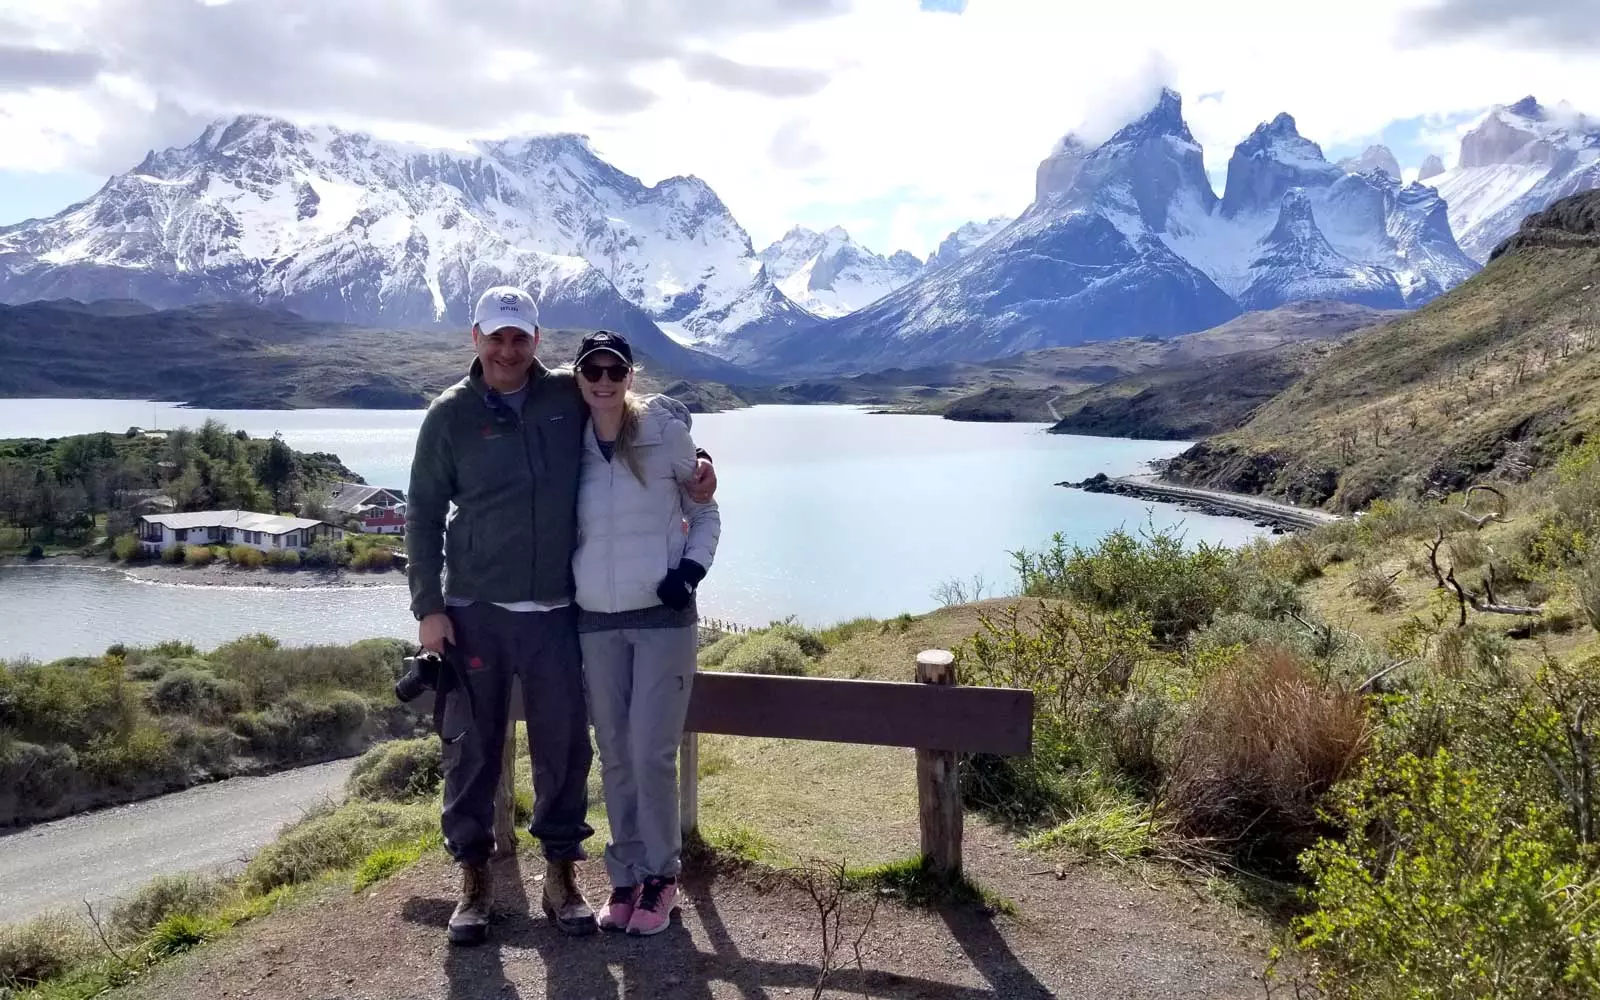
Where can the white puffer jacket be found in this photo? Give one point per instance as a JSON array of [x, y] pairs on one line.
[[630, 534]]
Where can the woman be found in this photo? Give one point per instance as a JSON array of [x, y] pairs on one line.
[[643, 548]]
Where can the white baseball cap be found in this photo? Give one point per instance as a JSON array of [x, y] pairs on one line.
[[504, 306]]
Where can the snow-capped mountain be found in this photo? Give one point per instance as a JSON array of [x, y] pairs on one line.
[[965, 240], [1432, 167], [829, 274], [1374, 158], [1517, 161], [1128, 238], [340, 226]]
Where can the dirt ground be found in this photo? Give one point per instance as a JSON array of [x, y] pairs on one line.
[[1095, 933]]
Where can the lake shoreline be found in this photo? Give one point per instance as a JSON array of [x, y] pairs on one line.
[[220, 576]]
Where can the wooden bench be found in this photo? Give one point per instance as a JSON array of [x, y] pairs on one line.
[[934, 715]]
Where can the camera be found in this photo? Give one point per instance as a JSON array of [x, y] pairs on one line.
[[422, 674]]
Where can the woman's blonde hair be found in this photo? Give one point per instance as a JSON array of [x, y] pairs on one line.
[[628, 435]]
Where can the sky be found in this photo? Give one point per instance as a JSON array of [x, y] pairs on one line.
[[897, 119]]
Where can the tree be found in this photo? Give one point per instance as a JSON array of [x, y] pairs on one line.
[[277, 470]]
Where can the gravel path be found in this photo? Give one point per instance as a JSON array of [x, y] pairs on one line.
[[99, 855], [1091, 934]]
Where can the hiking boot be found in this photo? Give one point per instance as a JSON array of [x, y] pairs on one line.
[[469, 924], [653, 913], [563, 901], [614, 916]]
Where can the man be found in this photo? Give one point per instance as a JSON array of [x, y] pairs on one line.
[[503, 447]]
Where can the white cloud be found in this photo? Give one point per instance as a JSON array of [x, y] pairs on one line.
[[904, 123]]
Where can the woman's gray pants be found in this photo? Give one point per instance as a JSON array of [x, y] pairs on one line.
[[638, 683]]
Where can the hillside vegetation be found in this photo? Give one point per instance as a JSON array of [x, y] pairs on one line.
[[91, 731], [1492, 380]]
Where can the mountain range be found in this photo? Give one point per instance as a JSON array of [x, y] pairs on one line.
[[1126, 237]]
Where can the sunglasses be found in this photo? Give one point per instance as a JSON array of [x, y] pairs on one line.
[[594, 373]]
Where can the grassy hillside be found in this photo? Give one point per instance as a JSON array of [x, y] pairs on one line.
[[235, 356], [1492, 380]]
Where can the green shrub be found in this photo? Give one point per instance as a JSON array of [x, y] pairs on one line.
[[71, 701], [196, 693], [247, 557], [268, 672], [334, 840], [1081, 665], [398, 771], [181, 932], [145, 753], [326, 554], [1444, 888], [385, 861], [375, 560], [41, 775], [136, 915], [36, 552], [809, 642], [714, 655], [767, 654], [1152, 575], [42, 948], [198, 555], [298, 728], [173, 555], [283, 559], [127, 548]]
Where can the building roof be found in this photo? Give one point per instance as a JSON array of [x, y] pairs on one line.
[[244, 520], [349, 498]]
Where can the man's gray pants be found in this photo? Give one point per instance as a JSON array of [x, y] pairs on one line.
[[639, 681], [540, 648]]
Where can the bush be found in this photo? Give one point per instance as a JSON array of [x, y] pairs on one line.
[[714, 655], [1153, 575], [41, 775], [196, 693], [1264, 743], [268, 672], [173, 555], [166, 896], [198, 555], [127, 548], [398, 771], [298, 728], [326, 554], [1376, 587], [809, 642], [180, 933], [36, 552], [1444, 888], [283, 559], [334, 840], [247, 557], [377, 560], [42, 948], [767, 654], [74, 702], [1090, 718]]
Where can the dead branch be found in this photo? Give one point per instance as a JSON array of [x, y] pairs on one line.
[[1433, 558], [1380, 675], [1478, 521], [100, 932], [1488, 607]]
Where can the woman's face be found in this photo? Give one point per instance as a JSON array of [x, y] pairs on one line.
[[605, 380]]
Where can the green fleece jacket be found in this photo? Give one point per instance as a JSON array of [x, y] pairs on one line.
[[513, 480]]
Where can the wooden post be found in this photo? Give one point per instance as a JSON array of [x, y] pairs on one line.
[[938, 784], [505, 800], [689, 784]]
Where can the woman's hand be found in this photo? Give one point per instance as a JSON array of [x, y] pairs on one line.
[[676, 589]]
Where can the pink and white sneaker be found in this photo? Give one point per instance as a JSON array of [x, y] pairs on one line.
[[618, 911], [652, 914]]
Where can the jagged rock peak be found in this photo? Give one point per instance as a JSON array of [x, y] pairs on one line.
[[1270, 161], [1431, 167], [1375, 157], [1529, 107]]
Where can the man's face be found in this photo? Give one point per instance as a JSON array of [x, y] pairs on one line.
[[506, 353]]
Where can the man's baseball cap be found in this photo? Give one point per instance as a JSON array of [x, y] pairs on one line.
[[504, 306], [605, 340]]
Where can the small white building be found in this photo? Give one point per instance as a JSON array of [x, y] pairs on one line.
[[267, 532]]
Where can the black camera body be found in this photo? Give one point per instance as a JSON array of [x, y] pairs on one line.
[[421, 676]]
